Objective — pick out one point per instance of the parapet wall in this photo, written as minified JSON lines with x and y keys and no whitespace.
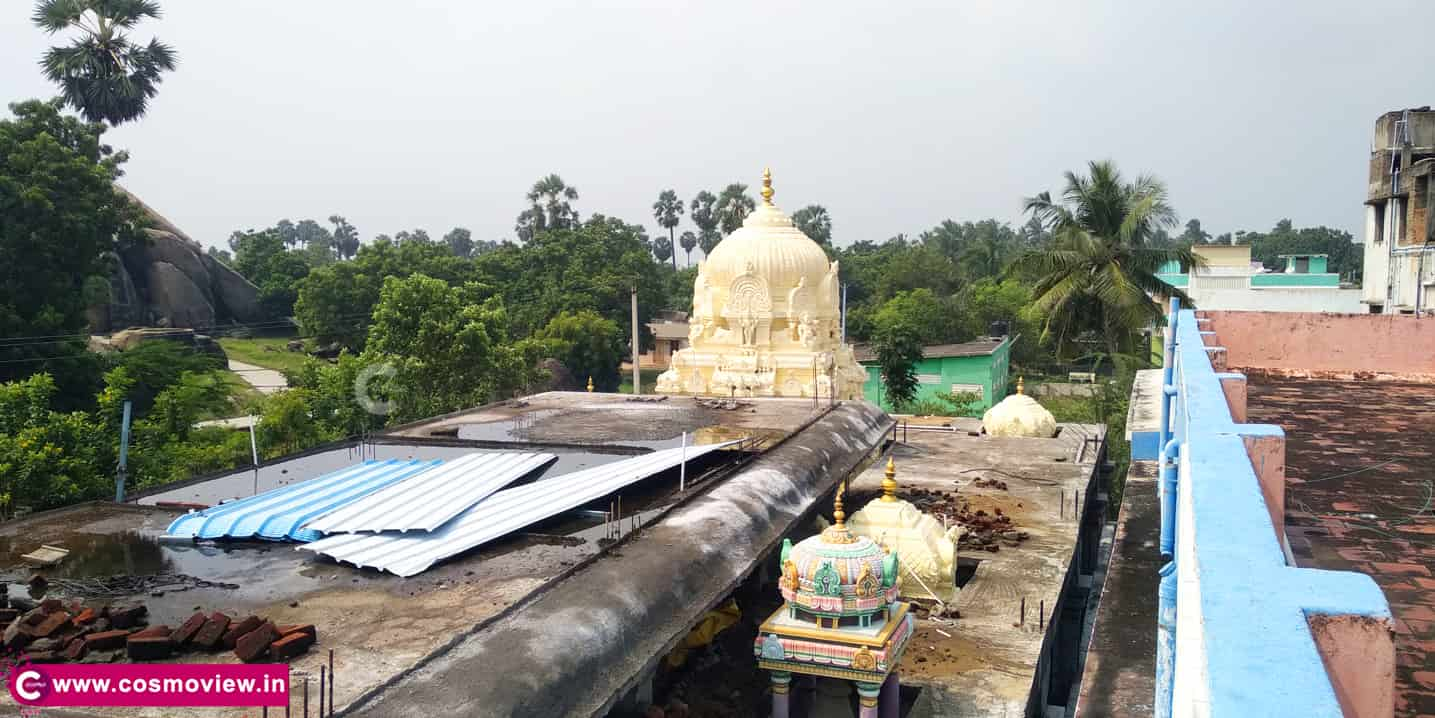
{"x":1242,"y":631}
{"x":1338,"y":346}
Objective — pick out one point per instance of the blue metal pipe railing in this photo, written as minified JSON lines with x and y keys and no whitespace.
{"x":1166,"y":640}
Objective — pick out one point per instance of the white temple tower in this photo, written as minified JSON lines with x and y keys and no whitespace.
{"x":766,"y":317}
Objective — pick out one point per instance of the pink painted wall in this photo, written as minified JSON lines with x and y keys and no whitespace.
{"x":1359,"y":655}
{"x":1327,"y":344}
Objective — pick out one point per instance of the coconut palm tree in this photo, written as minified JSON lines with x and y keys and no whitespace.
{"x":668,"y":210}
{"x":733,"y":206}
{"x":101,"y":73}
{"x":1099,"y":275}
{"x":984,"y":255}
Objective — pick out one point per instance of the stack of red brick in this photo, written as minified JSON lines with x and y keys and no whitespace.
{"x":55,"y":631}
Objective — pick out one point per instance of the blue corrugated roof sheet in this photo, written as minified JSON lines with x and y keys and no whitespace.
{"x":279,"y":513}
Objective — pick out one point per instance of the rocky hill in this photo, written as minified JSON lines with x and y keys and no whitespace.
{"x":171,"y":282}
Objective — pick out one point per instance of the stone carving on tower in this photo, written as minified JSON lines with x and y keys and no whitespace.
{"x":766,"y":317}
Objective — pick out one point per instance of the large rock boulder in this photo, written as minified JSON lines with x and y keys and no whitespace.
{"x":187,"y":257}
{"x":171,"y":281}
{"x":234,"y":296}
{"x":175,"y":300}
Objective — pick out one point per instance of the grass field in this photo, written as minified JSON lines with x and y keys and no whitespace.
{"x":244,"y":397}
{"x":268,"y":352}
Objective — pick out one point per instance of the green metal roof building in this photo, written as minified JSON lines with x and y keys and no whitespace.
{"x":978,"y":367}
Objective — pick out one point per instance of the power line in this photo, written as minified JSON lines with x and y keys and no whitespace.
{"x":6,"y":342}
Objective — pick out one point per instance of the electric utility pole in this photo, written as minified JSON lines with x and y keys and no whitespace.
{"x":637,"y":377}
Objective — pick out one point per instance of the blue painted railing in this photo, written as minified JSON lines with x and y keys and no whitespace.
{"x":1234,"y":639}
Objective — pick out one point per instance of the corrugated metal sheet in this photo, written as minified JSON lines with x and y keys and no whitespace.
{"x":276,"y":513}
{"x":499,"y":515}
{"x":430,"y":498}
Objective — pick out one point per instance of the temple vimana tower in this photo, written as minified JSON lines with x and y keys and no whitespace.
{"x":766,"y":318}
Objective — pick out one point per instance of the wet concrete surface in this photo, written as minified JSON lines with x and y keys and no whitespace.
{"x":377,"y":624}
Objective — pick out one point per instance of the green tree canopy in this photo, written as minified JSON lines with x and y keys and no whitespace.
{"x":898,"y":349}
{"x":261,"y":256}
{"x":334,"y":303}
{"x":931,"y":319}
{"x":447,"y":350}
{"x":1345,"y":257}
{"x":588,"y":345}
{"x":459,"y":241}
{"x":61,"y":216}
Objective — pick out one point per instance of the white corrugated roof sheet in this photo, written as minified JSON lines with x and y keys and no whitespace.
{"x":502,"y":513}
{"x":430,"y":498}
{"x":277,"y":513}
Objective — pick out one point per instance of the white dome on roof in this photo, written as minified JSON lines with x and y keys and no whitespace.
{"x":1019,"y":415}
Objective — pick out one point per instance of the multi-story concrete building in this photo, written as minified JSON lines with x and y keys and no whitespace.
{"x":1230,"y":280}
{"x":1399,"y":239}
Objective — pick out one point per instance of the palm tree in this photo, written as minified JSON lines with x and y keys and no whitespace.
{"x":346,"y":237}
{"x":733,"y":206}
{"x":815,"y":222}
{"x":704,"y":214}
{"x":668,"y":211}
{"x":548,"y":208}
{"x":101,"y":73}
{"x":709,"y":240}
{"x":688,"y":242}
{"x":984,"y":255}
{"x":663,"y":248}
{"x":1099,"y":275}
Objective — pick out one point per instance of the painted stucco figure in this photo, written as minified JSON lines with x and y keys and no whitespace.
{"x":766,"y":317}
{"x":926,"y":548}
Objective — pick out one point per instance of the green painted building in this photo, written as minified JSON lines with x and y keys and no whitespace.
{"x":978,"y":367}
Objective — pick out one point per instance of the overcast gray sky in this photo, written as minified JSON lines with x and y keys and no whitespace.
{"x":895,"y":116}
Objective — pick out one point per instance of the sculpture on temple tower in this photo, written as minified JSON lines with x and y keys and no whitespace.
{"x":766,"y":317}
{"x":840,"y":620}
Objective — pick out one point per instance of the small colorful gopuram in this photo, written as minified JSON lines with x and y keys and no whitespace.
{"x":840,"y":620}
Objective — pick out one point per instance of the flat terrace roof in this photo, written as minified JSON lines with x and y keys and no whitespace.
{"x":384,"y":628}
{"x":652,"y":422}
{"x":1359,"y":497}
{"x":992,"y":661}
